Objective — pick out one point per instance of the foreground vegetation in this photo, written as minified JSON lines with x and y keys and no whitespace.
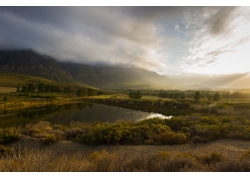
{"x":59,"y":158}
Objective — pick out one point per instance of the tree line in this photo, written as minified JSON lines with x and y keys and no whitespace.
{"x":41,"y":87}
{"x":209,"y":95}
{"x":88,"y":92}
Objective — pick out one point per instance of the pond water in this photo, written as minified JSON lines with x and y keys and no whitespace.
{"x":64,"y":114}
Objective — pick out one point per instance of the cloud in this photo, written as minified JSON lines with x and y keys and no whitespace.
{"x":107,"y":35}
{"x":221,"y":32}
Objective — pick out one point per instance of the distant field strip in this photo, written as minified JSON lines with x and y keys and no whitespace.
{"x":7,"y":89}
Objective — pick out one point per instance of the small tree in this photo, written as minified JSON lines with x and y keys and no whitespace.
{"x":5,"y":99}
{"x":81,"y":92}
{"x":210,"y":96}
{"x":216,"y":97}
{"x":135,"y":95}
{"x":197,"y":96}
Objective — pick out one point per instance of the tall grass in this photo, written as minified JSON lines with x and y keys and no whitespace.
{"x":143,"y":160}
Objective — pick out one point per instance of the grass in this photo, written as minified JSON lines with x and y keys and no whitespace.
{"x":46,"y":158}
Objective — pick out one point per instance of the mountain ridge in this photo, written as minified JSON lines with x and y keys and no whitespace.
{"x":107,"y":77}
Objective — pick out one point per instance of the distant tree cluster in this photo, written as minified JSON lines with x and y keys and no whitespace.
{"x":88,"y":92}
{"x":135,"y":95}
{"x":30,"y":87}
{"x":197,"y":95}
{"x":173,"y":95}
{"x":41,"y":87}
{"x":67,"y":89}
{"x":48,"y":88}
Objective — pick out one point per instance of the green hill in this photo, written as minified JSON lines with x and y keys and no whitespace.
{"x":10,"y":79}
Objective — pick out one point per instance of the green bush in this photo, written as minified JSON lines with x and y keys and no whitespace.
{"x":49,"y":139}
{"x":5,"y":150}
{"x":7,"y":136}
{"x":210,"y":159}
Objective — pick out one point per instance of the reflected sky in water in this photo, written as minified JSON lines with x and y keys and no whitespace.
{"x":83,"y":112}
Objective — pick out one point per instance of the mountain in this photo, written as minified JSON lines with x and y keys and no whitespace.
{"x":118,"y":77}
{"x":108,"y":77}
{"x":31,"y":63}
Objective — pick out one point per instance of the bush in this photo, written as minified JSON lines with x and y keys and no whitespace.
{"x":198,"y":139}
{"x":49,"y":139}
{"x":4,"y":151}
{"x":210,"y":159}
{"x":7,"y":136}
{"x":170,"y":138}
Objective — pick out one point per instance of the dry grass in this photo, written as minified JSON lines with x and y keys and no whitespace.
{"x":31,"y":155}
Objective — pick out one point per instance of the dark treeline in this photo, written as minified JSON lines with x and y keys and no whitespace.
{"x":88,"y":92}
{"x":135,"y":95}
{"x":41,"y":87}
{"x":210,"y":95}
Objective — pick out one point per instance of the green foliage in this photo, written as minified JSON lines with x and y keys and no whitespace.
{"x":88,"y":92}
{"x":197,"y":96}
{"x":209,"y":132}
{"x":4,"y":151}
{"x":211,"y":158}
{"x":135,"y":95}
{"x":170,"y":138}
{"x":216,"y":97}
{"x":49,"y":139}
{"x":7,"y":136}
{"x":81,"y":92}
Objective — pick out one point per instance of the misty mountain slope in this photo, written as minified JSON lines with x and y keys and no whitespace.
{"x":117,"y":77}
{"x":31,"y":63}
{"x":109,"y":77}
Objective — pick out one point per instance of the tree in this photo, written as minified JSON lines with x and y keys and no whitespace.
{"x":197,"y":96}
{"x":216,"y":97}
{"x":5,"y":99}
{"x":135,"y":95}
{"x":91,"y":92}
{"x":81,"y":92}
{"x":210,"y":97}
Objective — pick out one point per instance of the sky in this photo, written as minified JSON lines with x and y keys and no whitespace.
{"x":164,"y":39}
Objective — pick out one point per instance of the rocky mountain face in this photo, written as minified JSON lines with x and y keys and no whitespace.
{"x":110,"y":77}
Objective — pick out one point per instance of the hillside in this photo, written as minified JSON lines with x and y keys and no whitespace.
{"x":108,"y":77}
{"x":10,"y":79}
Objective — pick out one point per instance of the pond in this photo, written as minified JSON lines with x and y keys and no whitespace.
{"x":64,"y":114}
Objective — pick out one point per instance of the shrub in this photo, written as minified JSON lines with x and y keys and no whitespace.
{"x":198,"y":139}
{"x":245,"y":155}
{"x":4,"y":151}
{"x":7,"y":136}
{"x":171,"y":138}
{"x":49,"y":139}
{"x":209,"y":132}
{"x":210,"y":159}
{"x":102,"y":161}
{"x":233,"y":166}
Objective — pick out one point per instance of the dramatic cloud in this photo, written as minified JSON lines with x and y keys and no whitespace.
{"x":220,"y":43}
{"x":163,"y":39}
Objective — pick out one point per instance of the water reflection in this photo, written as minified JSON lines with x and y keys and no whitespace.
{"x":64,"y":114}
